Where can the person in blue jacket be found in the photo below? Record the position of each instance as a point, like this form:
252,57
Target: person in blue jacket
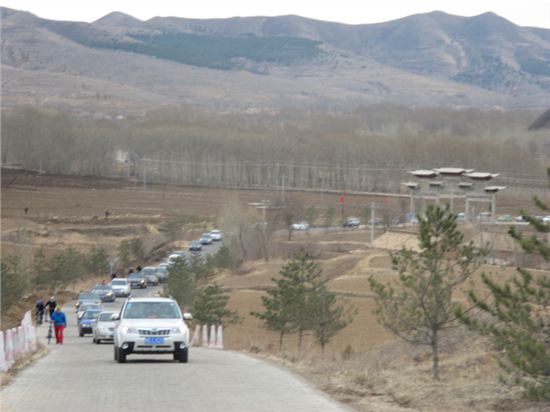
59,323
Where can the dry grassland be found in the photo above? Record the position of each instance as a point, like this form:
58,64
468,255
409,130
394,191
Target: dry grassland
364,365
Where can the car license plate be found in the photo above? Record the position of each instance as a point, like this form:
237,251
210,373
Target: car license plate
154,341
135,284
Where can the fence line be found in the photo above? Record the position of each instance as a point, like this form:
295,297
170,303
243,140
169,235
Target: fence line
17,342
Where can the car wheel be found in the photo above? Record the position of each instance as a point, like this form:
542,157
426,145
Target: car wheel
116,353
98,341
81,334
93,340
184,356
121,356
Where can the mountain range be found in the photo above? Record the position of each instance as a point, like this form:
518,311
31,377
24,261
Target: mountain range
120,64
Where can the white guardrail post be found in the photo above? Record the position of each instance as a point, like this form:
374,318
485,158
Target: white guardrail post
212,337
205,335
9,348
195,340
3,363
219,344
15,341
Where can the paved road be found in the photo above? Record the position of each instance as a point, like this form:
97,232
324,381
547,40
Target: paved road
82,376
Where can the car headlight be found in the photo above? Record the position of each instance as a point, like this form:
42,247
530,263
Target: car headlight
181,329
101,328
129,330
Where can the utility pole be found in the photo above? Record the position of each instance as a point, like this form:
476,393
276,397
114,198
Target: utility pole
277,183
263,210
372,225
145,173
473,222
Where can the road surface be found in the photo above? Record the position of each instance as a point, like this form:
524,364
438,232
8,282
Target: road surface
82,376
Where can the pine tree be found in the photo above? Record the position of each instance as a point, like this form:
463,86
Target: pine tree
210,308
326,318
180,283
519,317
420,309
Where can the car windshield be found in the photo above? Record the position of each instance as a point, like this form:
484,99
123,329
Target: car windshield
136,275
90,315
106,317
102,287
195,243
148,271
207,235
215,232
88,296
120,282
143,310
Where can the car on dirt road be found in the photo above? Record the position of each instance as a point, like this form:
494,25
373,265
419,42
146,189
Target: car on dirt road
105,292
504,218
151,326
104,328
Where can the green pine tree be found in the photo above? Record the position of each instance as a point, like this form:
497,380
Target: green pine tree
519,317
210,308
180,284
420,309
326,318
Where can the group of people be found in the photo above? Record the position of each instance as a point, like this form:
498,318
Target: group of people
57,317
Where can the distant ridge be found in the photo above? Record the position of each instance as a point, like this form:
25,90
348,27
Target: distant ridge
118,19
119,61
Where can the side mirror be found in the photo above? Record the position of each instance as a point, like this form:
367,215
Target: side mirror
116,316
187,316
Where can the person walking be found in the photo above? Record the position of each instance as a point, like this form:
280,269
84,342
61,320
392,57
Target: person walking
51,305
59,323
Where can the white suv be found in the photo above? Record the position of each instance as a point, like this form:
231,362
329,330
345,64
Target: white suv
151,326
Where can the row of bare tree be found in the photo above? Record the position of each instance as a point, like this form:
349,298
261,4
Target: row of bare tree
371,149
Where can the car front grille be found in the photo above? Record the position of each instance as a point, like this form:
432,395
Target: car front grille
149,332
111,329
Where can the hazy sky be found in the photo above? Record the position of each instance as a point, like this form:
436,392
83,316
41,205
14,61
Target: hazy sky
534,13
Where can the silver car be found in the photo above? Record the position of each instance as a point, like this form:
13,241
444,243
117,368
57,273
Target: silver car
104,328
121,287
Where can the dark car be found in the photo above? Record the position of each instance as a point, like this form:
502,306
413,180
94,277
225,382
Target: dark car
206,239
150,273
88,298
105,292
85,325
195,245
162,273
137,280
